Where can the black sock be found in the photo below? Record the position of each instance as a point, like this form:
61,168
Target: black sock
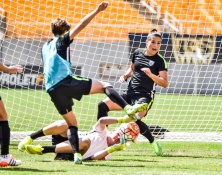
5,137
144,130
48,149
114,96
102,110
56,139
73,138
37,134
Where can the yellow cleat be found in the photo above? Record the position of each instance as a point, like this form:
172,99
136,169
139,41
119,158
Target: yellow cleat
77,158
26,141
34,149
157,148
132,110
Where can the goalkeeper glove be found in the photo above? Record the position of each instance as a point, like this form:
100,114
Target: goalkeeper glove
117,147
125,119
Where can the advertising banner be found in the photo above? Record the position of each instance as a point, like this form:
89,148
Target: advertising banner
187,49
31,78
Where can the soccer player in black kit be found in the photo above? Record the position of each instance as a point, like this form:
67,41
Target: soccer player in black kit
147,69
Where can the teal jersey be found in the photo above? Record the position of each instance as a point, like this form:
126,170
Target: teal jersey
55,67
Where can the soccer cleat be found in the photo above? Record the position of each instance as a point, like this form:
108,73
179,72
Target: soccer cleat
157,148
26,141
34,149
77,158
9,160
132,110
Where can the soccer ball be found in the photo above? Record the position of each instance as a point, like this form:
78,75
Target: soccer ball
130,131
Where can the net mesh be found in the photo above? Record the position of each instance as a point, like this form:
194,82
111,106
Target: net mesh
189,109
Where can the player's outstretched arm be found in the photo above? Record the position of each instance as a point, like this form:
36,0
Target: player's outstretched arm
104,121
11,69
86,20
161,80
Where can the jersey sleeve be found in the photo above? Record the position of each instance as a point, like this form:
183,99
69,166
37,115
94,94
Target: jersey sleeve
162,65
134,55
98,129
66,39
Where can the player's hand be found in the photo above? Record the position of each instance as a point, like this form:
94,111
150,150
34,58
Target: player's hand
102,6
15,69
117,147
122,78
121,145
147,71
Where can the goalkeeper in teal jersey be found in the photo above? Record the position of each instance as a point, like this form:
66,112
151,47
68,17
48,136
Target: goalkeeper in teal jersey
148,68
97,144
63,86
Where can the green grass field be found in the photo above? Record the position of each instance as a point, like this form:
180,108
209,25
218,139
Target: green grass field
180,158
31,110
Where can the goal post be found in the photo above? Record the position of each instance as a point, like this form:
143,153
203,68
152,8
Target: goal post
189,109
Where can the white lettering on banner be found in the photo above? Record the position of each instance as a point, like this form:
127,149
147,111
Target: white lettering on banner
33,79
26,80
185,49
12,79
18,79
4,78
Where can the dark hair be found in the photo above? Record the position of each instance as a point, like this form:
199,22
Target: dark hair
60,26
154,32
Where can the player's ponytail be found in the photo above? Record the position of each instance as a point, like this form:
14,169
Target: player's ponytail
154,32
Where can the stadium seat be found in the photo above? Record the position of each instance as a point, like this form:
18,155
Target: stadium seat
194,10
118,13
44,11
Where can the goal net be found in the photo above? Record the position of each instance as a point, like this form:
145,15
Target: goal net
189,109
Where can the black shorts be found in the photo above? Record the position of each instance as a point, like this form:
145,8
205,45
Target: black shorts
138,98
63,93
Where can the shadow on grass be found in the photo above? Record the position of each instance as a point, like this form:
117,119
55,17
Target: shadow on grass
113,163
134,160
192,156
19,169
110,165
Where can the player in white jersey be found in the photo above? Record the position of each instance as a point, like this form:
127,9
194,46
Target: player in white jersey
94,145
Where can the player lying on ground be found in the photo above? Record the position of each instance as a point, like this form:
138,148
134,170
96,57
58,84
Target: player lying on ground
95,145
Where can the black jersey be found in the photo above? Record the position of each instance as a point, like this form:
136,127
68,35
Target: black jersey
140,83
63,46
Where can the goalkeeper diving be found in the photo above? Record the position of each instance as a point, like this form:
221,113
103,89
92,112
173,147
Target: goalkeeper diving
97,144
